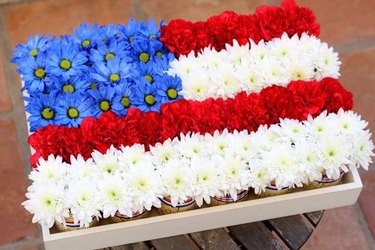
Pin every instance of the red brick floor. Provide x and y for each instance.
(348, 25)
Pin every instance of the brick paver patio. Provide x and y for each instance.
(347, 25)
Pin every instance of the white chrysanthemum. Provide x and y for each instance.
(328, 63)
(184, 67)
(348, 122)
(302, 69)
(133, 156)
(227, 83)
(265, 137)
(83, 201)
(241, 144)
(259, 176)
(284, 48)
(309, 45)
(251, 77)
(291, 129)
(258, 51)
(144, 185)
(207, 179)
(334, 152)
(308, 160)
(237, 54)
(235, 175)
(177, 180)
(197, 87)
(81, 169)
(283, 167)
(107, 163)
(164, 152)
(113, 196)
(191, 145)
(319, 126)
(274, 73)
(47, 204)
(362, 150)
(51, 170)
(210, 59)
(218, 143)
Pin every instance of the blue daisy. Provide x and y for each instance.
(34, 74)
(74, 84)
(72, 109)
(131, 31)
(146, 97)
(106, 52)
(108, 33)
(147, 72)
(162, 55)
(112, 72)
(42, 110)
(142, 51)
(124, 98)
(103, 100)
(35, 46)
(151, 30)
(168, 88)
(86, 37)
(65, 59)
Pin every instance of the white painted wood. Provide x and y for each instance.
(202, 219)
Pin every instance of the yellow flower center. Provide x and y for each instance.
(150, 99)
(105, 105)
(33, 52)
(109, 56)
(152, 36)
(86, 43)
(48, 113)
(73, 113)
(144, 57)
(130, 39)
(159, 54)
(149, 78)
(68, 88)
(125, 102)
(65, 64)
(114, 77)
(93, 85)
(172, 93)
(40, 73)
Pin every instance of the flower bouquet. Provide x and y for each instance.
(130, 121)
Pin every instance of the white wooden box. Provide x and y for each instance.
(251, 210)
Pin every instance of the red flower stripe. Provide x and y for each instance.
(181, 36)
(296, 101)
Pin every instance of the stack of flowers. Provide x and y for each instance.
(130, 117)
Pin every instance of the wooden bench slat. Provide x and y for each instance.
(255, 236)
(135, 246)
(214, 239)
(182, 242)
(294, 230)
(314, 217)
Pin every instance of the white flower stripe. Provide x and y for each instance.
(253, 67)
(201, 167)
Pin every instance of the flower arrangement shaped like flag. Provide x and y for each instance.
(251, 96)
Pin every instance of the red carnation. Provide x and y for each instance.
(309, 95)
(272, 21)
(201, 33)
(179, 37)
(221, 29)
(247, 27)
(149, 128)
(299, 19)
(337, 96)
(129, 132)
